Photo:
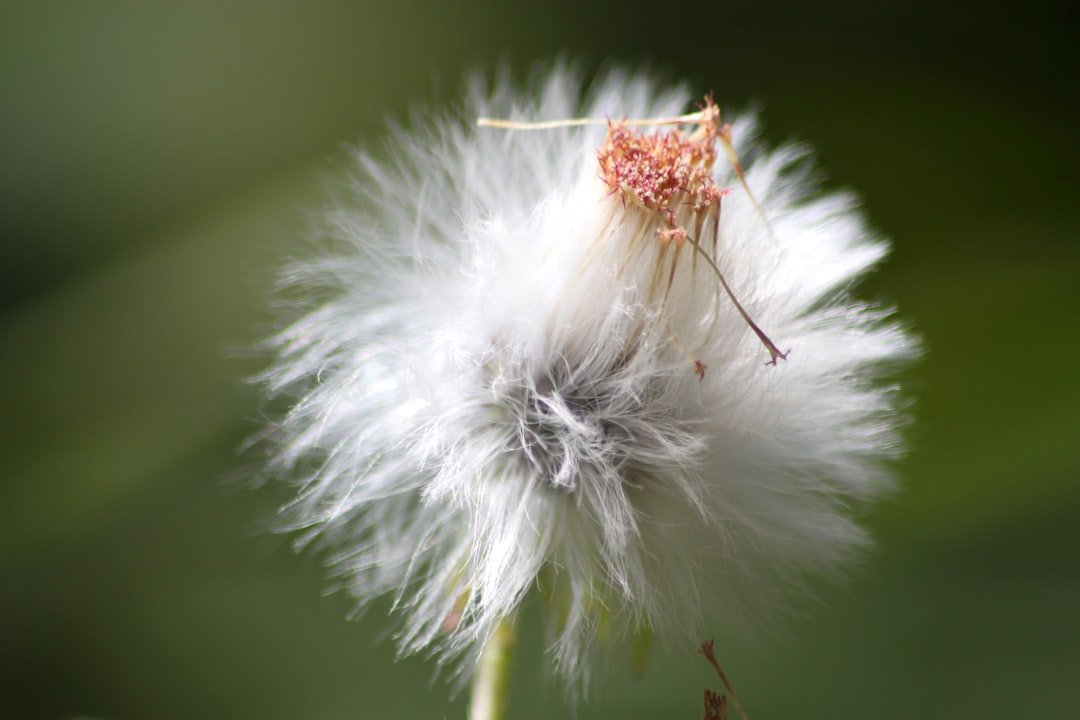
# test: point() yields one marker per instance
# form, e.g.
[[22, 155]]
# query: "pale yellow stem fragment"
[[491, 684], [689, 118]]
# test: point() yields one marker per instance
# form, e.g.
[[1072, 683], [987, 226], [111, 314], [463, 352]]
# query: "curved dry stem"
[[774, 352], [729, 149], [706, 649], [689, 118]]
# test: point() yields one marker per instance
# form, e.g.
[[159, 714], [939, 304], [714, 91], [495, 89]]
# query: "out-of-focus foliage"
[[157, 160]]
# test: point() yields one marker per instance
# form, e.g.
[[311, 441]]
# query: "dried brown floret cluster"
[[662, 172]]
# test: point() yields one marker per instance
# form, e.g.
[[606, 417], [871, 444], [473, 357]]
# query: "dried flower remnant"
[[714, 706], [718, 706], [671, 175]]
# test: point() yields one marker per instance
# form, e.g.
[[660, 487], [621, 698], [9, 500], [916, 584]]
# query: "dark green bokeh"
[[157, 160]]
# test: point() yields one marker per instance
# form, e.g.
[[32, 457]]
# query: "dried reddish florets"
[[664, 171], [661, 171]]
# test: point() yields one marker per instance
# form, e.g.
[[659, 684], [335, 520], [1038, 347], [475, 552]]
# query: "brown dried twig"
[[706, 649]]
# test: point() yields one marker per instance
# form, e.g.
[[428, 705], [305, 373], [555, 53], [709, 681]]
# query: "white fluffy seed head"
[[500, 388]]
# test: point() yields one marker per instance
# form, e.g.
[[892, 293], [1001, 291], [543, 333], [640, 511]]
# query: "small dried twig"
[[689, 118], [706, 649]]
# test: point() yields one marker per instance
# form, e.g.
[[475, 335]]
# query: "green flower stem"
[[491, 684]]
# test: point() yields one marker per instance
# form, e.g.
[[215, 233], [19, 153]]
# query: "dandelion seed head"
[[539, 367]]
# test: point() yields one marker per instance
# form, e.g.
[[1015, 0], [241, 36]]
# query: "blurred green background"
[[159, 159]]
